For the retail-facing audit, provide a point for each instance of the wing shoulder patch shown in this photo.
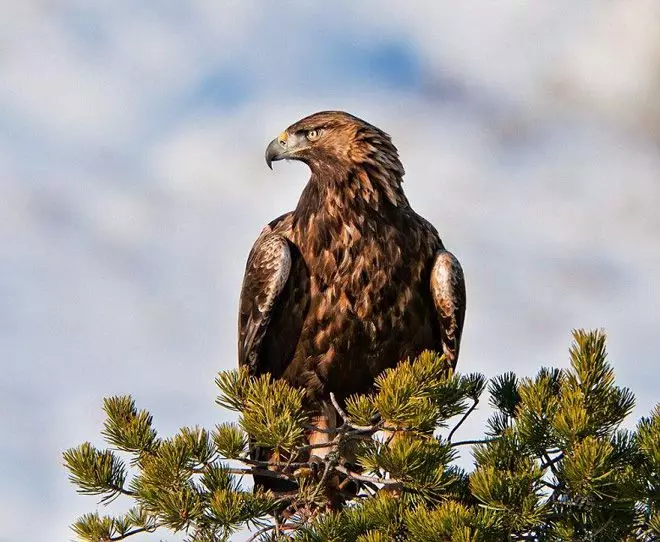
(448, 291)
(266, 274)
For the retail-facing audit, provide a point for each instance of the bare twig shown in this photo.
(261, 472)
(276, 527)
(324, 444)
(260, 532)
(120, 489)
(326, 473)
(283, 464)
(549, 485)
(601, 529)
(345, 417)
(465, 417)
(149, 529)
(472, 442)
(368, 479)
(339, 409)
(551, 462)
(112, 492)
(320, 430)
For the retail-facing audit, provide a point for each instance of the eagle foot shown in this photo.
(315, 469)
(317, 465)
(303, 472)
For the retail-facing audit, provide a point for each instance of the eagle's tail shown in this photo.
(270, 483)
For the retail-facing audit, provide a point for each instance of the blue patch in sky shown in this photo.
(391, 63)
(221, 87)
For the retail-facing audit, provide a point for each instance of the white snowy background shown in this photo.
(132, 184)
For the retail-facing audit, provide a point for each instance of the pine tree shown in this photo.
(553, 464)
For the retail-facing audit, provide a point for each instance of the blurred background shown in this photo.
(132, 185)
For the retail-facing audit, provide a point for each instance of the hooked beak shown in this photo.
(285, 146)
(275, 151)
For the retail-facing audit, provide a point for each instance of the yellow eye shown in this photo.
(313, 135)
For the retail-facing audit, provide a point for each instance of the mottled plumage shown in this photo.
(352, 280)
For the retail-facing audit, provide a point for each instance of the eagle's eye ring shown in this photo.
(313, 135)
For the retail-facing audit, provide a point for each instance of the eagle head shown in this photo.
(335, 139)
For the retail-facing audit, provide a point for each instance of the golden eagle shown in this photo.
(352, 280)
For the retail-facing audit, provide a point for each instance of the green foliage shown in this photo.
(272, 413)
(95, 472)
(96, 527)
(127, 429)
(362, 409)
(229, 440)
(421, 394)
(421, 464)
(451, 521)
(553, 465)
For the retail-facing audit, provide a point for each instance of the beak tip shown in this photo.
(274, 152)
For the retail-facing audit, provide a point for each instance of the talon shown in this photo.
(317, 465)
(303, 472)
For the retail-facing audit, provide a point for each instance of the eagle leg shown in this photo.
(326, 423)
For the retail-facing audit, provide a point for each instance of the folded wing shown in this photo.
(448, 292)
(266, 275)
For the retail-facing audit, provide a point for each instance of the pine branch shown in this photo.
(555, 468)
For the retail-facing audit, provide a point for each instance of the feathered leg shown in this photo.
(326, 423)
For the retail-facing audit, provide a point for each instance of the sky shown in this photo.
(132, 185)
